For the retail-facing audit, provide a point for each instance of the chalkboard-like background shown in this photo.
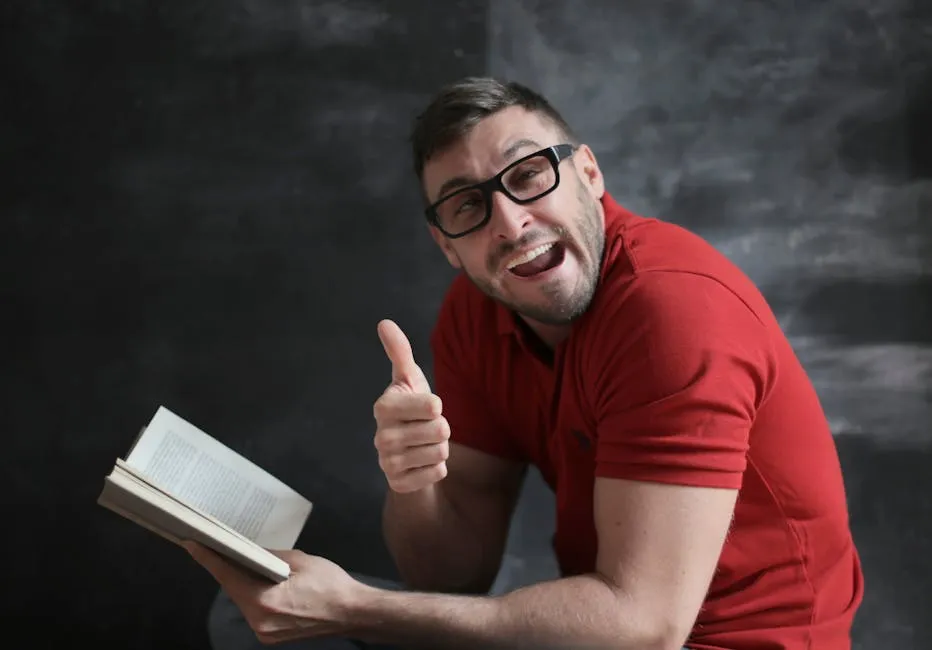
(208, 205)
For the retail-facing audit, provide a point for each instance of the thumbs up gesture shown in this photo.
(412, 436)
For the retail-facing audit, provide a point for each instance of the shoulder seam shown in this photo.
(641, 273)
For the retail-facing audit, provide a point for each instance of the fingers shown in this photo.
(412, 434)
(413, 456)
(398, 349)
(396, 439)
(394, 465)
(417, 479)
(291, 556)
(395, 406)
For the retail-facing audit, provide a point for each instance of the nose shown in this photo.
(509, 219)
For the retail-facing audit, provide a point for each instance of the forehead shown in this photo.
(493, 143)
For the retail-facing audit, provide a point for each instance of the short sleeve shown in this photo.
(458, 381)
(677, 394)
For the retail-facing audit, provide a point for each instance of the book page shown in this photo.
(160, 513)
(184, 461)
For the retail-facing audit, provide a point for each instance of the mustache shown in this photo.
(528, 240)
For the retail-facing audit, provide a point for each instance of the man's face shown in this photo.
(565, 228)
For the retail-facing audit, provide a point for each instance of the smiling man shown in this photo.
(699, 496)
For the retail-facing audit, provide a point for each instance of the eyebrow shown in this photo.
(517, 146)
(507, 155)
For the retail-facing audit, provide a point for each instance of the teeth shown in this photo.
(530, 255)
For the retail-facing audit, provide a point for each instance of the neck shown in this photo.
(550, 335)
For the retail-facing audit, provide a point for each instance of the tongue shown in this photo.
(539, 263)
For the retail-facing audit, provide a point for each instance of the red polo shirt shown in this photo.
(678, 373)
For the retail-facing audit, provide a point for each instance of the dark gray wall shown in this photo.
(209, 206)
(797, 138)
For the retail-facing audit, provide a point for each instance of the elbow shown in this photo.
(653, 627)
(645, 635)
(662, 632)
(666, 637)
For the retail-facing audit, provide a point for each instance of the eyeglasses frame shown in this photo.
(555, 154)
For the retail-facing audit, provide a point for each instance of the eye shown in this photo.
(468, 204)
(524, 174)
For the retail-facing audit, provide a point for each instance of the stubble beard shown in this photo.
(564, 303)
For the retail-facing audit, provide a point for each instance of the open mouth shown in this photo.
(538, 260)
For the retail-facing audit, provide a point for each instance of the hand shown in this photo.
(412, 436)
(314, 602)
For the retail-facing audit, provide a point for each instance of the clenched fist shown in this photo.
(412, 436)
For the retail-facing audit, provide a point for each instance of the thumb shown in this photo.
(217, 566)
(398, 349)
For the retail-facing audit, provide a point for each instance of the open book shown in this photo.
(182, 484)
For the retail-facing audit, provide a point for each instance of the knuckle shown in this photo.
(433, 430)
(386, 406)
(439, 471)
(383, 439)
(378, 409)
(401, 486)
(390, 441)
(434, 454)
(440, 429)
(443, 451)
(394, 464)
(444, 428)
(422, 405)
(385, 462)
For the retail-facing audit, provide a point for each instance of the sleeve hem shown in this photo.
(671, 475)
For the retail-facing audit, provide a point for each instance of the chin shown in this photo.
(557, 300)
(553, 314)
(559, 305)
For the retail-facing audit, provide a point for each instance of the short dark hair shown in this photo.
(459, 106)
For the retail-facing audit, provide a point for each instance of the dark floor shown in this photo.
(209, 206)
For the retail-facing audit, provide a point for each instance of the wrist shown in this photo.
(358, 610)
(410, 511)
(427, 498)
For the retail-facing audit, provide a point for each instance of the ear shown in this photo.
(590, 173)
(445, 247)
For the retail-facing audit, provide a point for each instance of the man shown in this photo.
(699, 495)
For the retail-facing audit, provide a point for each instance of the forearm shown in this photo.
(432, 545)
(582, 613)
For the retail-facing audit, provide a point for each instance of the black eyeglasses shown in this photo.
(523, 181)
